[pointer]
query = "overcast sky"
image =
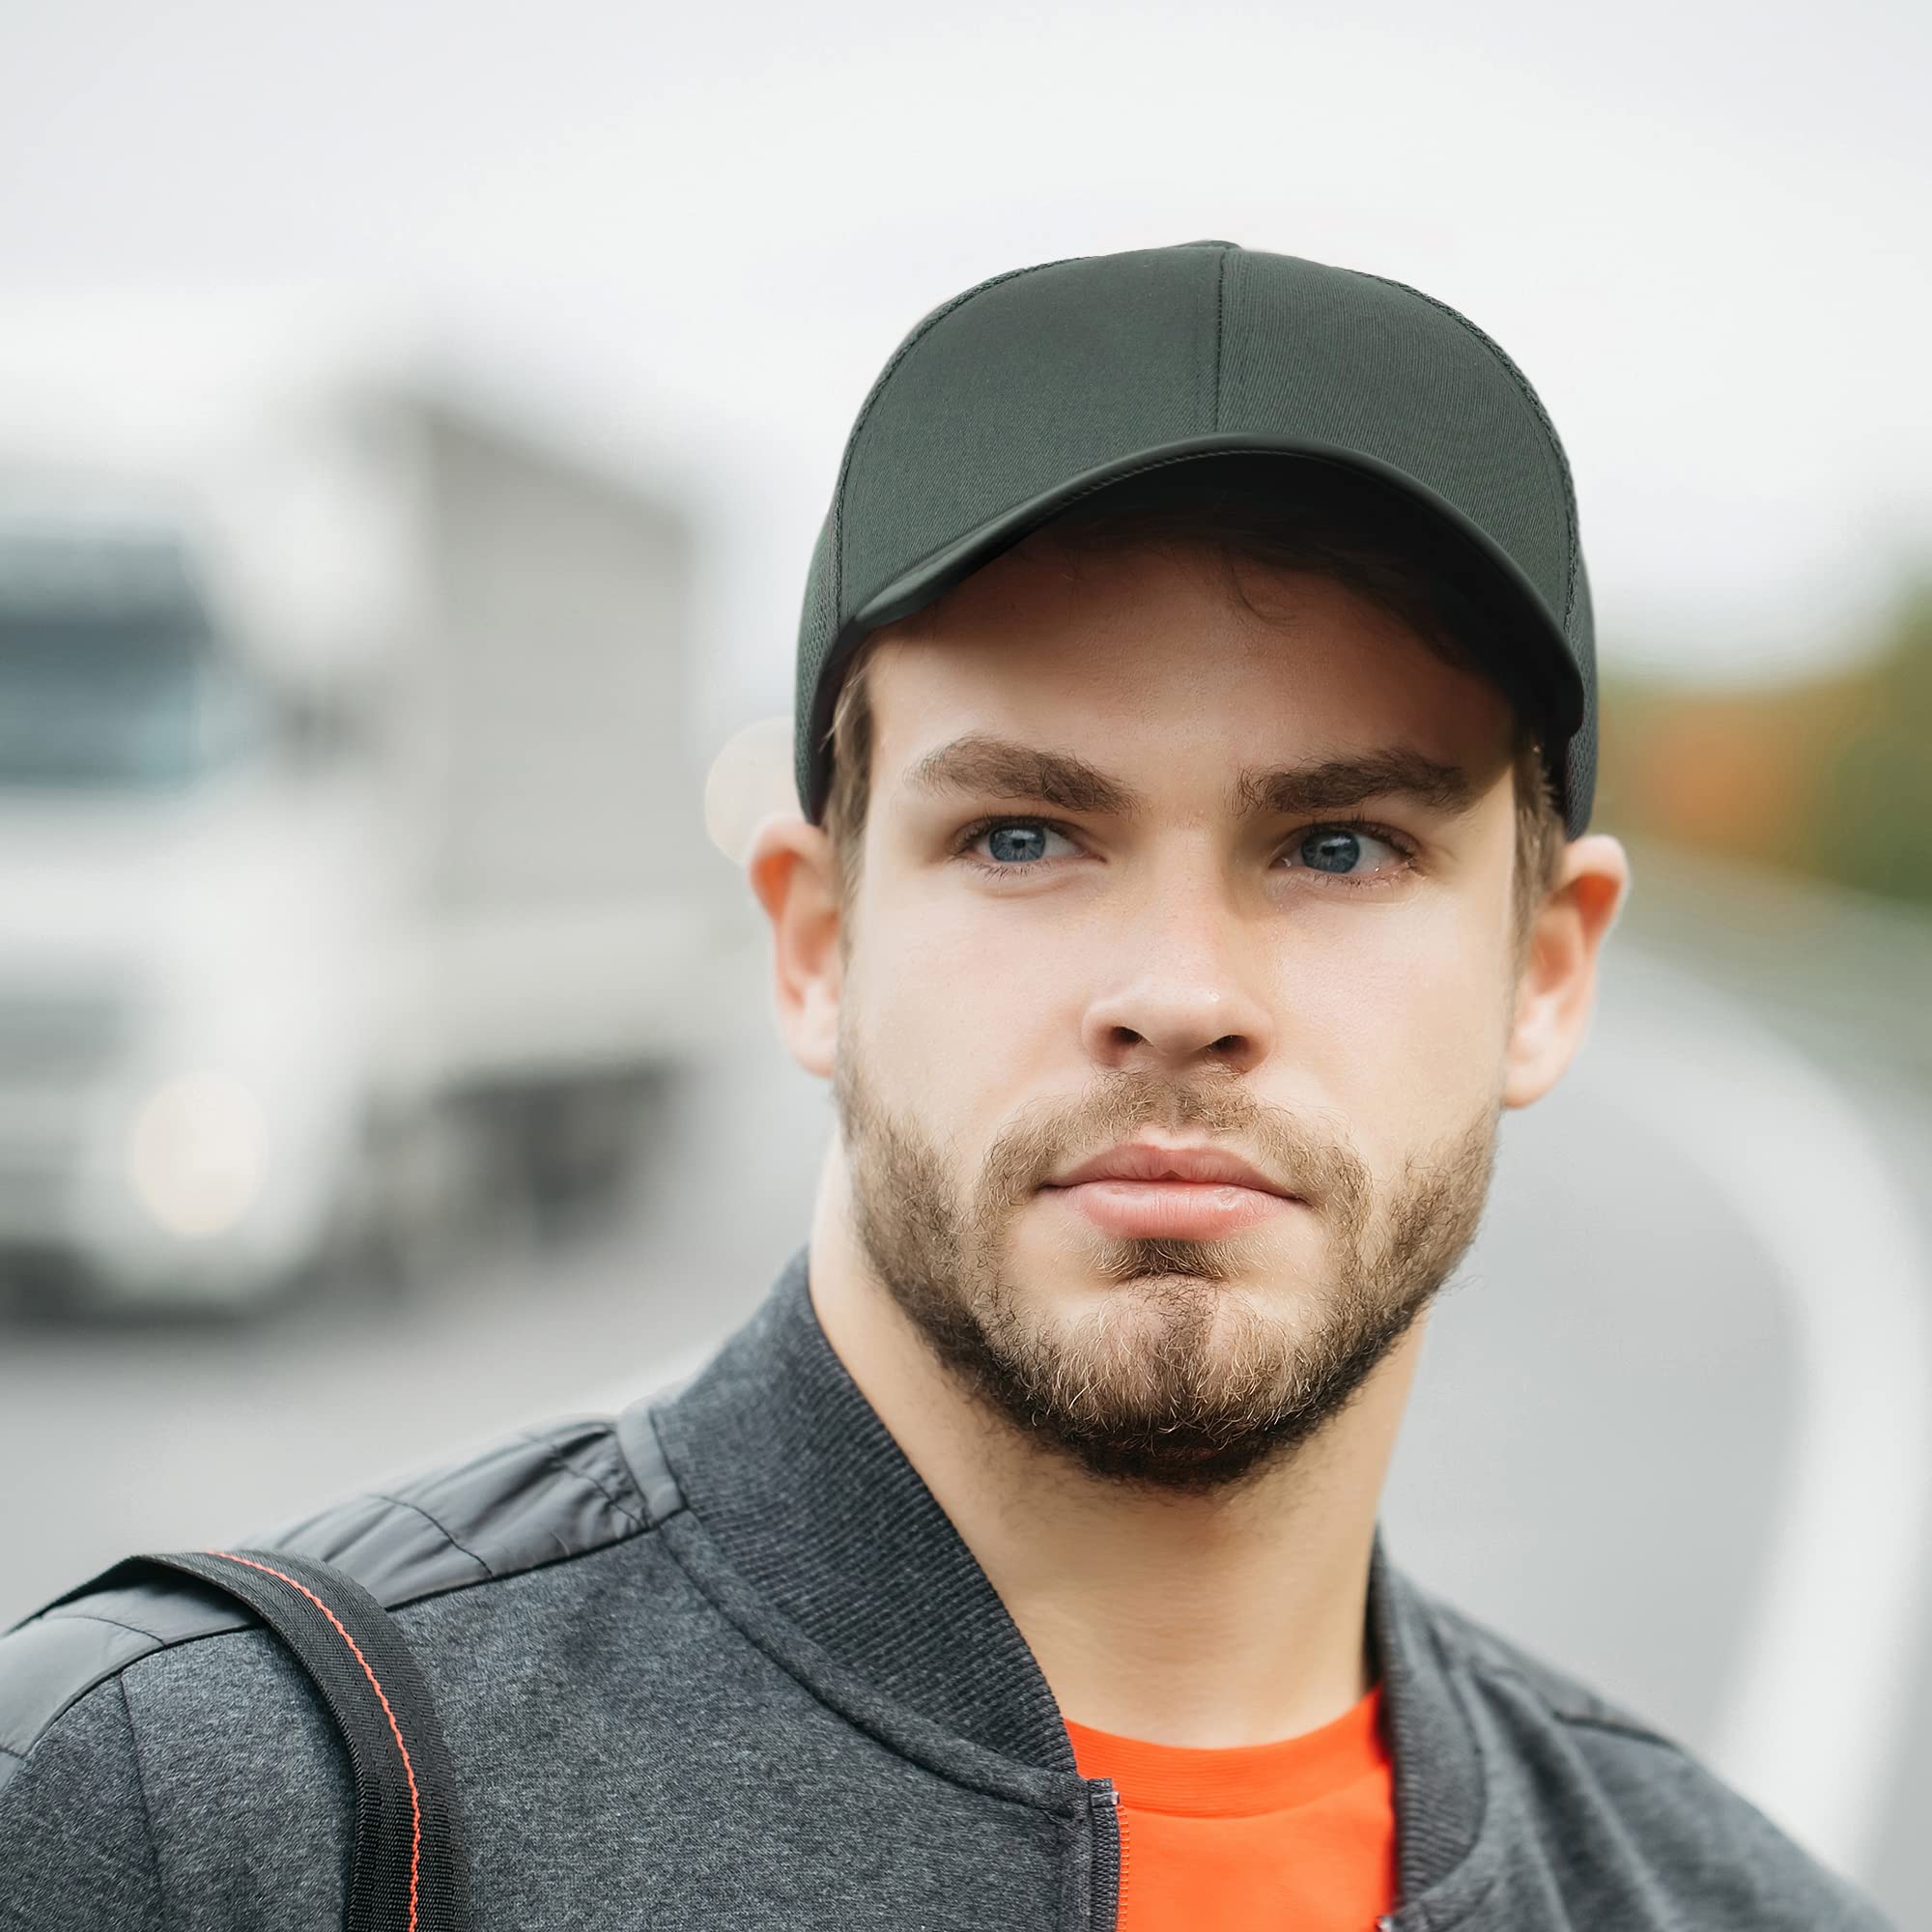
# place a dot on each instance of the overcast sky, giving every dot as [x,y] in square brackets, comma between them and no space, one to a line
[697,232]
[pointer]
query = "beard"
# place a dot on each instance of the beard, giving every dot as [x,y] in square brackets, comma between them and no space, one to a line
[1196,1372]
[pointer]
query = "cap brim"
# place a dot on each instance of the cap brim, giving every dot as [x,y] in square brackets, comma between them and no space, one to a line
[1533,656]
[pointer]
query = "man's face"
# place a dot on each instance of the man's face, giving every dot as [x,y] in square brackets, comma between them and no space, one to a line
[1163,954]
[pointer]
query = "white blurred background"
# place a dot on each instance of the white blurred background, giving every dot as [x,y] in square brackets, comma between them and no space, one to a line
[414,428]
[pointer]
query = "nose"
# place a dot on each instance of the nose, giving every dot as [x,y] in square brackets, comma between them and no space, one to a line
[1190,995]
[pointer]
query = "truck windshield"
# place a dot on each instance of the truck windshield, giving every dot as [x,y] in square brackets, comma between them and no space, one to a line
[111,691]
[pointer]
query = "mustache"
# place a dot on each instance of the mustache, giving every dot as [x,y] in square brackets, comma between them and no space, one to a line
[1049,1135]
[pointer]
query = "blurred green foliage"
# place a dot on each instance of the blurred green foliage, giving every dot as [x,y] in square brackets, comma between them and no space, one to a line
[1831,778]
[1874,828]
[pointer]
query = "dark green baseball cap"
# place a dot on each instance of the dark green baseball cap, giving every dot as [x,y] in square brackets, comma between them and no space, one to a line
[1045,385]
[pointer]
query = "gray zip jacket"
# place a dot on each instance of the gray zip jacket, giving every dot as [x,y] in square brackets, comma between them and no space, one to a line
[725,1663]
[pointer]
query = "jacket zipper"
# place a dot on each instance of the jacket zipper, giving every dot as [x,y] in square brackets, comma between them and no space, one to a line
[1110,1853]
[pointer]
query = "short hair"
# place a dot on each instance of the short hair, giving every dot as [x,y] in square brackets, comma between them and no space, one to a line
[1330,524]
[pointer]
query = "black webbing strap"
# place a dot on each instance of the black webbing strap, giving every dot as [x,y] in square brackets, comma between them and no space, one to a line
[407,1871]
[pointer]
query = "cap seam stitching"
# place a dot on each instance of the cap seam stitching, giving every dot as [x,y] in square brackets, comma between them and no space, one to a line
[878,389]
[1535,405]
[1220,337]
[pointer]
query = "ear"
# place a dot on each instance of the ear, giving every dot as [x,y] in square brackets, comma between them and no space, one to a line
[789,866]
[1557,988]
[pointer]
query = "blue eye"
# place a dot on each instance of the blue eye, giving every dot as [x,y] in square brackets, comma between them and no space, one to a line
[1011,844]
[1330,849]
[1014,844]
[1333,850]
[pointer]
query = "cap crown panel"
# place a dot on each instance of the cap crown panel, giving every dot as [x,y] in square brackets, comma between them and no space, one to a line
[1346,359]
[1028,382]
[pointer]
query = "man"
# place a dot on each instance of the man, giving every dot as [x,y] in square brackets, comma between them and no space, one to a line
[1196,740]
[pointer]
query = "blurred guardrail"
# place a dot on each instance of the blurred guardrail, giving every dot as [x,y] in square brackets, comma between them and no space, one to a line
[1840,971]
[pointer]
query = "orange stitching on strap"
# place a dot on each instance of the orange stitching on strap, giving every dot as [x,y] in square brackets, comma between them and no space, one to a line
[415,1809]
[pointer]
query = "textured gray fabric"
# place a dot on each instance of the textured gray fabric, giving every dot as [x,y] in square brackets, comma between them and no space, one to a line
[77,1850]
[782,1694]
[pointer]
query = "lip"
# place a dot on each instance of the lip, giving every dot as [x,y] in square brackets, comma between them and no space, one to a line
[1140,1190]
[1195,1164]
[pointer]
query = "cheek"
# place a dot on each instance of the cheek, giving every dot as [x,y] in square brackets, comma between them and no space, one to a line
[1397,1026]
[955,1008]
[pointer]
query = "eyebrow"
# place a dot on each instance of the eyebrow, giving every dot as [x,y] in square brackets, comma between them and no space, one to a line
[980,766]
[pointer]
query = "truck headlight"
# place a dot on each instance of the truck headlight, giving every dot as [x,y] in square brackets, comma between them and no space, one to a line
[197,1153]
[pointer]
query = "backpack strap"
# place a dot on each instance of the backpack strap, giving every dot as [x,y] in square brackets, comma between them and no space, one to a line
[578,1484]
[408,1872]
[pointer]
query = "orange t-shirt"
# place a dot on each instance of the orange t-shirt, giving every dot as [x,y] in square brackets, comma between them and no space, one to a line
[1257,1836]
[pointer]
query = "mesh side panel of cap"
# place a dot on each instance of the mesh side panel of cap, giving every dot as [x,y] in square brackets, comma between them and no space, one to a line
[1581,757]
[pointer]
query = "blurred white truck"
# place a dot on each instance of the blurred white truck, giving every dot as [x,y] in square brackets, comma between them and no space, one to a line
[353,860]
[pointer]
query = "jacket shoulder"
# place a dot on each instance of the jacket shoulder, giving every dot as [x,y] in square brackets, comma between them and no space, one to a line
[1679,1829]
[537,1497]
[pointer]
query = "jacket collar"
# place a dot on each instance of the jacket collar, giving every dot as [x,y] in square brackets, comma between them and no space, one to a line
[805,1494]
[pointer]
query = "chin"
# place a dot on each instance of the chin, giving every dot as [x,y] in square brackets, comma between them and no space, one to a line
[1082,1262]
[1154,1315]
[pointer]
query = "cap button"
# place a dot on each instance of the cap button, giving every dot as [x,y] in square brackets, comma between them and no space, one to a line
[1207,244]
